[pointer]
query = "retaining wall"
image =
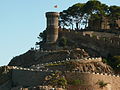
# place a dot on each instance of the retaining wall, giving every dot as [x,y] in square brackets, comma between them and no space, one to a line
[102,46]
[112,39]
[90,81]
[6,86]
[28,78]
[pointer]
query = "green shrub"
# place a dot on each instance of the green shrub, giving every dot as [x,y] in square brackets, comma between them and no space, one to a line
[63,42]
[61,82]
[75,82]
[55,64]
[101,83]
[57,80]
[104,60]
[114,62]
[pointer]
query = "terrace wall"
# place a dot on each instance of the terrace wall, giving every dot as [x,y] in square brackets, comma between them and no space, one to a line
[102,46]
[90,81]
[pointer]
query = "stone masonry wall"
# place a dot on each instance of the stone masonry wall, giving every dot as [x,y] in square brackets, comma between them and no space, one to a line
[28,78]
[101,46]
[90,81]
[6,86]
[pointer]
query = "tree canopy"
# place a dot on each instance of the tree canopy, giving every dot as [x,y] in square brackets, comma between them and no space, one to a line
[80,14]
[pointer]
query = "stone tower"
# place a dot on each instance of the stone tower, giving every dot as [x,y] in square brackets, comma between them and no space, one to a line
[52,26]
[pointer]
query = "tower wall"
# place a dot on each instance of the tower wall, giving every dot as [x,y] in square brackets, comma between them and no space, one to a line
[105,23]
[52,26]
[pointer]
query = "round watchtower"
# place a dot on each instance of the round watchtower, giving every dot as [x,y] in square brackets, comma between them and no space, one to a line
[52,26]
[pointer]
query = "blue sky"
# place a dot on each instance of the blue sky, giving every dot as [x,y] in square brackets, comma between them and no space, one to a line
[21,21]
